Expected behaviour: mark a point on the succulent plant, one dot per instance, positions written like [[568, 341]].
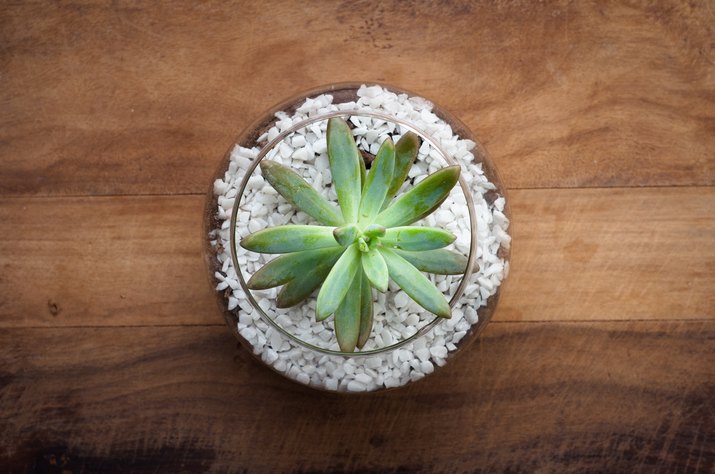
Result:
[[362, 244]]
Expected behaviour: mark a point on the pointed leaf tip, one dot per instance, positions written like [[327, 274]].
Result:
[[421, 200], [439, 261], [377, 182], [290, 266], [415, 284], [298, 192], [301, 287], [346, 234], [289, 238], [344, 159], [406, 150], [417, 238]]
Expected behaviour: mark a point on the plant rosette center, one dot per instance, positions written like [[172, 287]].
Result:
[[366, 238], [364, 242]]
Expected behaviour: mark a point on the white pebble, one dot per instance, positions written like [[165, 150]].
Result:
[[387, 337], [401, 299], [301, 154], [331, 384], [438, 351], [248, 333], [220, 187], [255, 182], [232, 303], [470, 314], [412, 320], [486, 283], [373, 362], [276, 339], [363, 378], [298, 141], [255, 225], [270, 356], [355, 386], [426, 367], [458, 336], [404, 355], [422, 354]]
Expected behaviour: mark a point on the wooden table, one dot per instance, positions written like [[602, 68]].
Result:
[[600, 117]]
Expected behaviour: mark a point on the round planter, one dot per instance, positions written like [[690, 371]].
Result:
[[408, 343]]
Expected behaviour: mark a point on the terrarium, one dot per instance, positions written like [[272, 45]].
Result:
[[289, 207]]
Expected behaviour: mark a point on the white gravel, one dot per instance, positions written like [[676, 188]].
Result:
[[397, 317]]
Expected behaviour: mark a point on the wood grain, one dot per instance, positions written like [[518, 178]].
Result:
[[570, 397], [589, 254], [599, 115], [103, 261], [145, 98], [598, 254]]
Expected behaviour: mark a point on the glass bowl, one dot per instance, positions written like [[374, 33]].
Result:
[[265, 137]]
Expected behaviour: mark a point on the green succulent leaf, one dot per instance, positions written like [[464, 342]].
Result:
[[302, 287], [375, 269], [292, 265], [337, 283], [417, 238], [421, 200], [299, 193], [362, 245], [366, 311], [405, 153], [373, 230], [344, 160], [415, 284], [378, 179], [346, 234], [440, 261], [289, 238], [347, 316]]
